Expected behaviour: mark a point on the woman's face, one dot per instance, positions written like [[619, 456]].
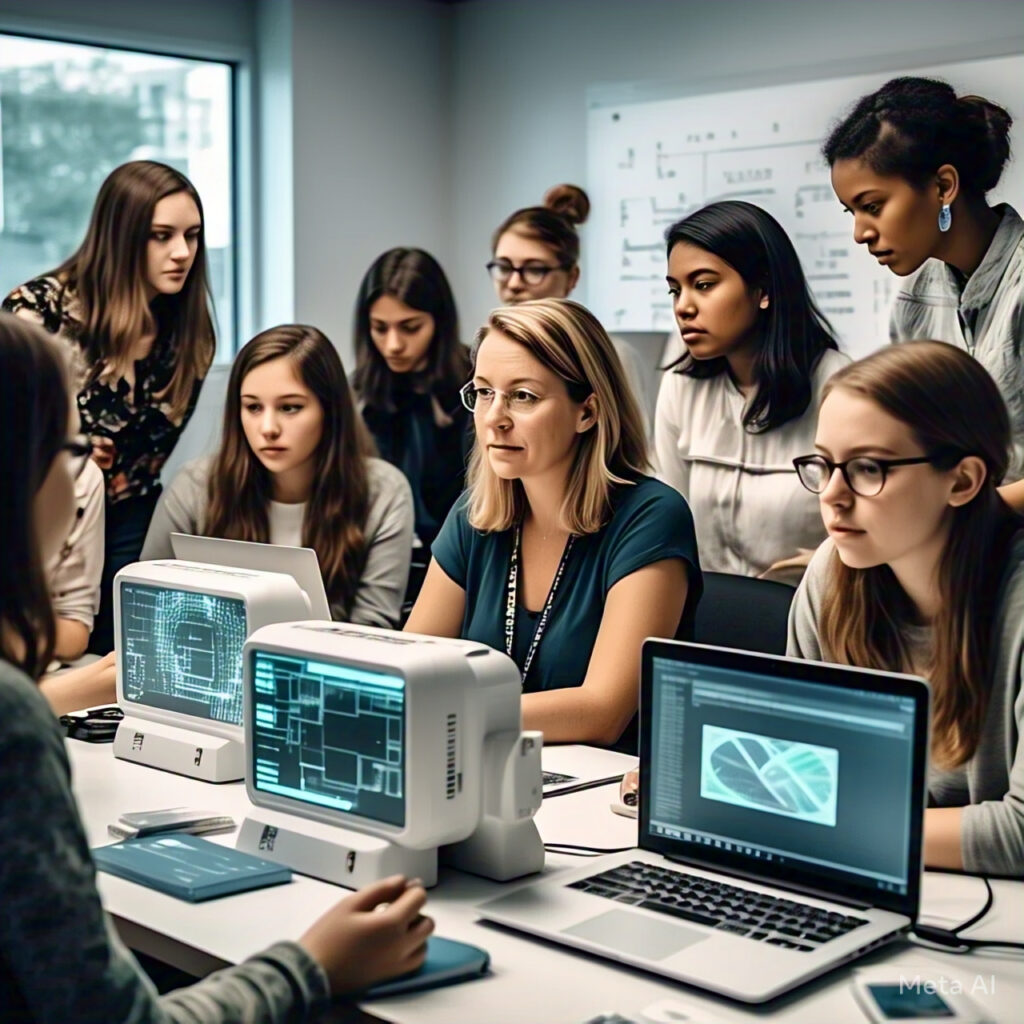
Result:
[[517, 250], [173, 243], [896, 221], [538, 435], [909, 519], [402, 334], [54, 504], [716, 311], [282, 419]]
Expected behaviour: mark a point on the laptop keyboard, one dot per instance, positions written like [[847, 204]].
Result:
[[771, 919]]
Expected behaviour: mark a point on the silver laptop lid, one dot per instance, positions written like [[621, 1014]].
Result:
[[785, 770], [299, 563]]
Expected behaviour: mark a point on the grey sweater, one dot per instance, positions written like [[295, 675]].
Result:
[[389, 529], [990, 786], [60, 958]]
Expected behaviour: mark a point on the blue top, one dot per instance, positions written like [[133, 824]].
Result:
[[650, 521]]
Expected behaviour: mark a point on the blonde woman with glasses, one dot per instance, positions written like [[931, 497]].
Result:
[[563, 552]]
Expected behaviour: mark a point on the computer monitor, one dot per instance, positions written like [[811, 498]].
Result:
[[179, 631], [299, 563], [390, 735]]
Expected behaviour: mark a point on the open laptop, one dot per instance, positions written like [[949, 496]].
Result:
[[781, 811], [571, 767], [301, 563]]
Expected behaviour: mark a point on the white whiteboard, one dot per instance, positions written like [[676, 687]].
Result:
[[651, 163]]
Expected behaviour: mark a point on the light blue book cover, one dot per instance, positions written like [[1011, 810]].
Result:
[[187, 866]]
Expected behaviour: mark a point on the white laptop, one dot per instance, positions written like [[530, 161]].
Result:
[[780, 819], [571, 767], [301, 563]]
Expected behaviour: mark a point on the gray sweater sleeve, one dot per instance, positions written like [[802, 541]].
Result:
[[181, 509], [61, 959], [803, 639], [389, 531]]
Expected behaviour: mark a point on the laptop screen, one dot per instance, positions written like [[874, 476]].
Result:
[[784, 775]]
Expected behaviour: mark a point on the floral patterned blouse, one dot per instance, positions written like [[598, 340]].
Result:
[[132, 431]]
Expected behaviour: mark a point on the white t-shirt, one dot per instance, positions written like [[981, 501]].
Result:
[[286, 523], [748, 506]]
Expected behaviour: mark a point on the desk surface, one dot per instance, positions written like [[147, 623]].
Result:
[[532, 982]]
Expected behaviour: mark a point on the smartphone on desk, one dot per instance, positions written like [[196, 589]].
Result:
[[886, 995], [170, 819]]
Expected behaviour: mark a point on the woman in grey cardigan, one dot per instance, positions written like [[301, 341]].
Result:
[[913, 163], [923, 572], [60, 959], [294, 468]]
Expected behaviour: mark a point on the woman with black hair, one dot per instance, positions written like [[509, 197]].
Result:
[[410, 365], [913, 162], [740, 403]]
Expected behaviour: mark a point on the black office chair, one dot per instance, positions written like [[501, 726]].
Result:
[[743, 612]]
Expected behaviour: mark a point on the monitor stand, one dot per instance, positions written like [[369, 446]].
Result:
[[330, 852], [183, 751]]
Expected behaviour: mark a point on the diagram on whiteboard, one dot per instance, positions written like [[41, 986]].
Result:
[[652, 163]]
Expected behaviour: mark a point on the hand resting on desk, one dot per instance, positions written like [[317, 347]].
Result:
[[376, 933]]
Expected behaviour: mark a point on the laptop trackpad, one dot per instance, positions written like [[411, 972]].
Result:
[[636, 934]]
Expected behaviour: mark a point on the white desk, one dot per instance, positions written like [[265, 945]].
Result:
[[532, 982]]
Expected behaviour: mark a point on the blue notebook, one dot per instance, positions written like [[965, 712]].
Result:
[[187, 866], [447, 962]]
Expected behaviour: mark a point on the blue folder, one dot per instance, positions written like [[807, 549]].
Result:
[[187, 866]]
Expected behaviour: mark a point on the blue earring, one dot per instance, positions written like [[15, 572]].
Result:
[[945, 217]]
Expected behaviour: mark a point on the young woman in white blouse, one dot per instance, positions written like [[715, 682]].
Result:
[[740, 403]]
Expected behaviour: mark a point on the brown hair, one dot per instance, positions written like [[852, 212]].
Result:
[[553, 224], [108, 276], [953, 409], [566, 338], [34, 410], [240, 486]]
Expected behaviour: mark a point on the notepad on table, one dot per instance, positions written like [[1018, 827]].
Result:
[[188, 867]]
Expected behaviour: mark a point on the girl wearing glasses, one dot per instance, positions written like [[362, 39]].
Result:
[[409, 368], [562, 552], [68, 964], [741, 401], [923, 572], [535, 254], [913, 163], [132, 308], [294, 468]]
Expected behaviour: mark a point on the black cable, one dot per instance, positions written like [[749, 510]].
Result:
[[571, 850], [951, 939]]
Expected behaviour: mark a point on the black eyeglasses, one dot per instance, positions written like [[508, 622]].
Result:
[[531, 273], [864, 475], [78, 449]]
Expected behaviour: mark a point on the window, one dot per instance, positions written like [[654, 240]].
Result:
[[70, 114]]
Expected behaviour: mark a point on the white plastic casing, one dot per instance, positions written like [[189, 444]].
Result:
[[456, 693], [268, 597]]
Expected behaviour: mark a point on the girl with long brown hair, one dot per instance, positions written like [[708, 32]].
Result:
[[295, 467], [132, 308], [61, 956], [923, 572]]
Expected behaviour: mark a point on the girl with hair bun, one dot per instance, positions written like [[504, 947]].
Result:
[[535, 254], [913, 163]]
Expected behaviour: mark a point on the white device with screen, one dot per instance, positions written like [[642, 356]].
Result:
[[300, 563], [179, 628], [369, 749]]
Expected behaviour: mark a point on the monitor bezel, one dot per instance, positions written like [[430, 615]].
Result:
[[799, 670]]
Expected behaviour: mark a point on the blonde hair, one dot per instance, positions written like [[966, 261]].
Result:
[[566, 338]]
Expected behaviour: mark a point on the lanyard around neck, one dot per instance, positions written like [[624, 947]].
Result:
[[510, 603]]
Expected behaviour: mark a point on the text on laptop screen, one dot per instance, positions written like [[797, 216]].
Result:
[[183, 651], [330, 735], [784, 771]]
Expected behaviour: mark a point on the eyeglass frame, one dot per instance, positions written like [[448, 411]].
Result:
[[78, 449], [536, 268], [883, 464], [470, 386]]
